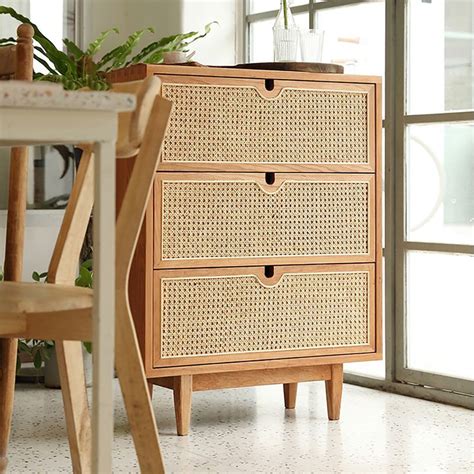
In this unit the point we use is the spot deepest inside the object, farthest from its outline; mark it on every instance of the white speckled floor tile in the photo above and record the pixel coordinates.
(248, 430)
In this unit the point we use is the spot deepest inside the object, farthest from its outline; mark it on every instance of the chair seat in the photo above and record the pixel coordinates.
(44, 311)
(41, 298)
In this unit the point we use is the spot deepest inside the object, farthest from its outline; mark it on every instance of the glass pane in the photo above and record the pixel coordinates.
(261, 37)
(258, 6)
(261, 41)
(440, 183)
(440, 313)
(440, 54)
(354, 37)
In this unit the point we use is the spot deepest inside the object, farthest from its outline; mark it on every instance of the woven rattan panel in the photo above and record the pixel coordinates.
(214, 219)
(237, 314)
(235, 124)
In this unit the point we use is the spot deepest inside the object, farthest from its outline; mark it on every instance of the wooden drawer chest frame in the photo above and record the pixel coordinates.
(245, 148)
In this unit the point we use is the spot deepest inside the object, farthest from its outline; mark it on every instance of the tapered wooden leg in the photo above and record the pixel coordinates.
(290, 390)
(8, 350)
(150, 389)
(76, 408)
(135, 393)
(334, 392)
(182, 392)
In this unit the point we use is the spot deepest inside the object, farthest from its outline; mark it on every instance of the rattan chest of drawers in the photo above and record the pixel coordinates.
(259, 260)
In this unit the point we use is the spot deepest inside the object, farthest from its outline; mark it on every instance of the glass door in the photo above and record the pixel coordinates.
(435, 196)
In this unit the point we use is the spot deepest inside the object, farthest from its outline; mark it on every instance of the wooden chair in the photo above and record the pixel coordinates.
(16, 62)
(62, 312)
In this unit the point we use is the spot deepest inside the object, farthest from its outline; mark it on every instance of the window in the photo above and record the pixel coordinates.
(50, 174)
(424, 51)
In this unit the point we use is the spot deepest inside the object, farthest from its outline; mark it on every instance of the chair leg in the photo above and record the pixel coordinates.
(150, 389)
(334, 392)
(8, 354)
(135, 393)
(182, 393)
(76, 408)
(289, 391)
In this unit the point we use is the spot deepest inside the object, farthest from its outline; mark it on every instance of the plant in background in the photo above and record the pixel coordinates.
(77, 68)
(40, 350)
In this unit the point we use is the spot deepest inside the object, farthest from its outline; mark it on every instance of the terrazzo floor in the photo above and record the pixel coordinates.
(248, 430)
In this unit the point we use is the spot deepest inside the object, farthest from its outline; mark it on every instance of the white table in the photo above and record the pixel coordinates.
(41, 114)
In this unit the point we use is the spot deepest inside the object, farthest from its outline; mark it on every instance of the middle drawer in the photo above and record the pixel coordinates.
(226, 219)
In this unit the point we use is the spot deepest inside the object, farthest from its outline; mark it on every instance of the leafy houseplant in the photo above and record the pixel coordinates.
(77, 68)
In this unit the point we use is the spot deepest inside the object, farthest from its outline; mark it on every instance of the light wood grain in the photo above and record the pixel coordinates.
(243, 366)
(139, 71)
(289, 392)
(129, 364)
(24, 298)
(76, 409)
(334, 392)
(379, 220)
(253, 378)
(8, 354)
(64, 261)
(182, 393)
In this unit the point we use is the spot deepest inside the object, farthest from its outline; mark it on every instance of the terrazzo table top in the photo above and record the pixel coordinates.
(41, 95)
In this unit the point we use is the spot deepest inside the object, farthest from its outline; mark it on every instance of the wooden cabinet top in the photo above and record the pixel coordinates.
(140, 71)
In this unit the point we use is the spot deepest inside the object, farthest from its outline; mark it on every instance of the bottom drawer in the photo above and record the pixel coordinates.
(207, 316)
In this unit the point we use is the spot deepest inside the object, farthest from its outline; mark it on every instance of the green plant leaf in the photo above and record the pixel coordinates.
(7, 41)
(73, 49)
(118, 55)
(88, 347)
(87, 264)
(23, 346)
(37, 360)
(95, 45)
(35, 276)
(45, 64)
(207, 30)
(85, 278)
(153, 53)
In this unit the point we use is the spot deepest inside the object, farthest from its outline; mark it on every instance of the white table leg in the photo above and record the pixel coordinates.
(104, 307)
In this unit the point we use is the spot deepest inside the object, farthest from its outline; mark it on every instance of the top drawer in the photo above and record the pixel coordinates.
(256, 125)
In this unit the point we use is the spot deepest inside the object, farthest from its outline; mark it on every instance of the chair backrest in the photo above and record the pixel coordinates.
(148, 125)
(140, 134)
(16, 62)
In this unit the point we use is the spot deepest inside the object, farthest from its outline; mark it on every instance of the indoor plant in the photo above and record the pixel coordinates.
(77, 68)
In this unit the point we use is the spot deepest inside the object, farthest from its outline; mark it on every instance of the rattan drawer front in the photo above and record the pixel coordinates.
(220, 220)
(204, 316)
(237, 125)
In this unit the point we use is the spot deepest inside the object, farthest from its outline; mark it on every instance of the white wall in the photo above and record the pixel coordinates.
(169, 17)
(41, 231)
